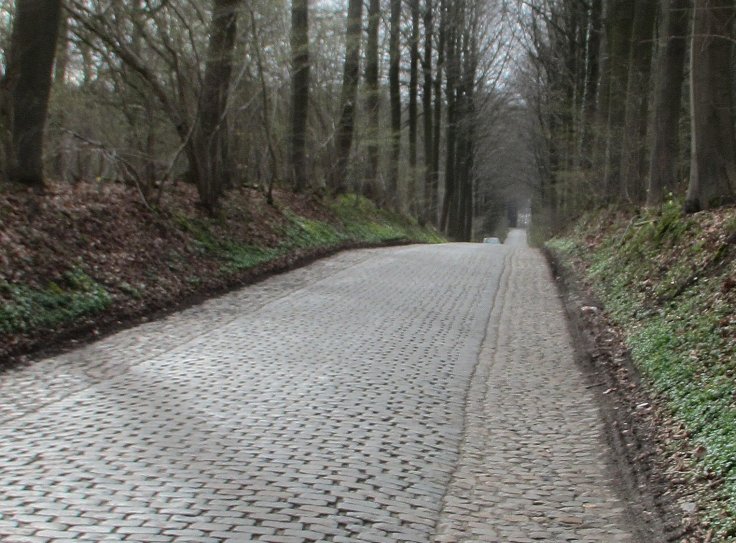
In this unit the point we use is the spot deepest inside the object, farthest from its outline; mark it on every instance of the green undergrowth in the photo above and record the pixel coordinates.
(25, 308)
(205, 250)
(355, 220)
(363, 221)
(669, 281)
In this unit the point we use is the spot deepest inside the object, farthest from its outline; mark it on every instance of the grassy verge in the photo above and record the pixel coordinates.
(27, 308)
(669, 281)
(139, 261)
(355, 220)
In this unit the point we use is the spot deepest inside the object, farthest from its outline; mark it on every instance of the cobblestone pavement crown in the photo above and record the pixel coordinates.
(351, 400)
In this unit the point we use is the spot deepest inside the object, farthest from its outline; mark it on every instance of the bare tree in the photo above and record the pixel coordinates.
(300, 66)
(637, 102)
(395, 99)
(670, 77)
(348, 95)
(413, 106)
(620, 23)
(430, 179)
(713, 161)
(210, 135)
(26, 86)
(373, 96)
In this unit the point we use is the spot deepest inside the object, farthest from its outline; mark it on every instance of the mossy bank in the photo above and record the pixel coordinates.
(668, 280)
(80, 260)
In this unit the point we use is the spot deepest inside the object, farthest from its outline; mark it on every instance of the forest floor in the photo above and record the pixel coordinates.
(652, 299)
(86, 259)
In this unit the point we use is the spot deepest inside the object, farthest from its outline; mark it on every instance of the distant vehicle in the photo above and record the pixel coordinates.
(492, 241)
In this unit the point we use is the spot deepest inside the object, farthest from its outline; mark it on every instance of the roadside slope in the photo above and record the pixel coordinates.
(667, 287)
(88, 258)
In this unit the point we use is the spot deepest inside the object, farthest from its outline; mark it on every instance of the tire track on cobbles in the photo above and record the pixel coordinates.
(377, 396)
(533, 463)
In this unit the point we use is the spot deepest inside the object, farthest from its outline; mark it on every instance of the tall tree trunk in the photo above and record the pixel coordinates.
(430, 197)
(209, 138)
(26, 87)
(437, 137)
(667, 97)
(348, 96)
(373, 97)
(592, 73)
(713, 160)
(412, 195)
(60, 68)
(300, 67)
(265, 109)
(599, 132)
(621, 17)
(451, 94)
(395, 99)
(637, 102)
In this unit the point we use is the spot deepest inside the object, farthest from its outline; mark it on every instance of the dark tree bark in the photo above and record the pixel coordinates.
(599, 132)
(265, 108)
(373, 97)
(413, 107)
(713, 160)
(300, 66)
(209, 150)
(621, 18)
(430, 186)
(437, 122)
(670, 77)
(592, 73)
(637, 102)
(26, 88)
(349, 94)
(395, 99)
(452, 80)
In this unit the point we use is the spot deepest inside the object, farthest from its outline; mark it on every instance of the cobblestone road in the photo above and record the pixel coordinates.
(415, 394)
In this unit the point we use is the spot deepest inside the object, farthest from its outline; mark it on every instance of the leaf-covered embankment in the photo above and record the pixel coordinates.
(82, 259)
(669, 282)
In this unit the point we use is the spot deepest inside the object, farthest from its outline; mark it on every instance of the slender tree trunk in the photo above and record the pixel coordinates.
(373, 97)
(637, 102)
(60, 68)
(667, 99)
(592, 73)
(300, 66)
(621, 20)
(266, 109)
(349, 95)
(209, 139)
(434, 204)
(395, 99)
(713, 160)
(599, 132)
(412, 195)
(26, 87)
(427, 111)
(451, 94)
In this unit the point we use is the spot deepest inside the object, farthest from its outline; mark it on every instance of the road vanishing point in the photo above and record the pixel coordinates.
(425, 393)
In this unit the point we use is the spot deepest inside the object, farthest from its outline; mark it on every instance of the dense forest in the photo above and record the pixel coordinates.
(399, 101)
(634, 103)
(458, 112)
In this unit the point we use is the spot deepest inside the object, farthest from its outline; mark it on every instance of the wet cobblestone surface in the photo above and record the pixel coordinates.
(351, 400)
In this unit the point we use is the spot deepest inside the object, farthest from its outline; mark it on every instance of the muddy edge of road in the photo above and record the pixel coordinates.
(636, 428)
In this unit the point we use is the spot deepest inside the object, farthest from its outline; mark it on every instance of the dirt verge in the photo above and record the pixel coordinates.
(638, 428)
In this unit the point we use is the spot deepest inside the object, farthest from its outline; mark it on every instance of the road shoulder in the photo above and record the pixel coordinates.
(535, 463)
